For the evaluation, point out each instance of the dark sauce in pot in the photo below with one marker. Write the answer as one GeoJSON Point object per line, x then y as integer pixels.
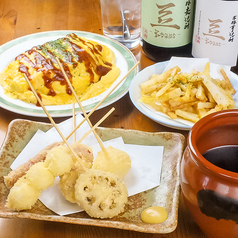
{"type": "Point", "coordinates": [225, 157]}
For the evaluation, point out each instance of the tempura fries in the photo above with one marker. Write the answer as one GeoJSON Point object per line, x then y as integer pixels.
{"type": "Point", "coordinates": [190, 96]}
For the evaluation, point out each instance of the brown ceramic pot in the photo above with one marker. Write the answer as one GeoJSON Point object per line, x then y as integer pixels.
{"type": "Point", "coordinates": [210, 192]}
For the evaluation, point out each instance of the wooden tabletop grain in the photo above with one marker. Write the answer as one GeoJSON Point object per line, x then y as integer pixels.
{"type": "Point", "coordinates": [20, 18]}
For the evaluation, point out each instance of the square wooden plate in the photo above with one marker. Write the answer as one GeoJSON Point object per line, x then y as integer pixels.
{"type": "Point", "coordinates": [166, 195]}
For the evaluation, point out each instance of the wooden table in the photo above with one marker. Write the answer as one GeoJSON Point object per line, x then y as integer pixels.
{"type": "Point", "coordinates": [19, 18]}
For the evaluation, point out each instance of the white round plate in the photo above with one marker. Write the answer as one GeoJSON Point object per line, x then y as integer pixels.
{"type": "Point", "coordinates": [125, 60]}
{"type": "Point", "coordinates": [159, 117]}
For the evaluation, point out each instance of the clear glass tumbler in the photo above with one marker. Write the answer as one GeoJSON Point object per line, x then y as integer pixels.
{"type": "Point", "coordinates": [121, 20]}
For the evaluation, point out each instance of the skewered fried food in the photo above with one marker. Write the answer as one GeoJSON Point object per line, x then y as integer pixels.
{"type": "Point", "coordinates": [68, 180]}
{"type": "Point", "coordinates": [84, 188]}
{"type": "Point", "coordinates": [59, 160]}
{"type": "Point", "coordinates": [28, 188]}
{"type": "Point", "coordinates": [101, 194]}
{"type": "Point", "coordinates": [89, 65]}
{"type": "Point", "coordinates": [21, 170]}
{"type": "Point", "coordinates": [84, 152]}
{"type": "Point", "coordinates": [67, 183]}
{"type": "Point", "coordinates": [22, 195]}
{"type": "Point", "coordinates": [39, 176]}
{"type": "Point", "coordinates": [117, 161]}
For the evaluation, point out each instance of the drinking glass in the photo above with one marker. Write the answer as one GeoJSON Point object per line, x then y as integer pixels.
{"type": "Point", "coordinates": [121, 21]}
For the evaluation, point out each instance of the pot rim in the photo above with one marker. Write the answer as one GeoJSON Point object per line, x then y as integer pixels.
{"type": "Point", "coordinates": [192, 136]}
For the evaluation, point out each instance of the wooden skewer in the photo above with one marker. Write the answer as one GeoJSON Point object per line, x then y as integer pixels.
{"type": "Point", "coordinates": [96, 125]}
{"type": "Point", "coordinates": [82, 109]}
{"type": "Point", "coordinates": [54, 124]}
{"type": "Point", "coordinates": [113, 88]}
{"type": "Point", "coordinates": [74, 122]}
{"type": "Point", "coordinates": [109, 92]}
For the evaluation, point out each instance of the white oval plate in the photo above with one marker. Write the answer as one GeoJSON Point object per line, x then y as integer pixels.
{"type": "Point", "coordinates": [159, 117]}
{"type": "Point", "coordinates": [125, 60]}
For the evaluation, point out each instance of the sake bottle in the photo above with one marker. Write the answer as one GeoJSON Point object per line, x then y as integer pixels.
{"type": "Point", "coordinates": [167, 28]}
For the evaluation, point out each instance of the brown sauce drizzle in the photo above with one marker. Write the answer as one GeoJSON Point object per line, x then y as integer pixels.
{"type": "Point", "coordinates": [52, 74]}
{"type": "Point", "coordinates": [101, 70]}
{"type": "Point", "coordinates": [92, 48]}
{"type": "Point", "coordinates": [83, 55]}
{"type": "Point", "coordinates": [99, 47]}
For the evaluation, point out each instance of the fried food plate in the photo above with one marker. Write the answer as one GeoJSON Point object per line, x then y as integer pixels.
{"type": "Point", "coordinates": [159, 117]}
{"type": "Point", "coordinates": [125, 60]}
{"type": "Point", "coordinates": [166, 194]}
